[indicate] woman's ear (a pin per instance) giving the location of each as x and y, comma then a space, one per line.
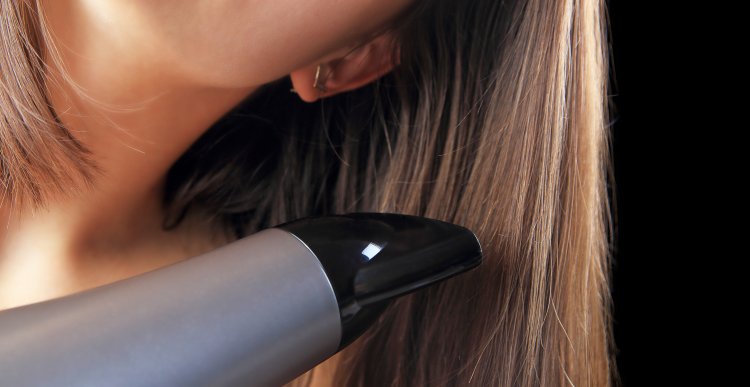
355, 69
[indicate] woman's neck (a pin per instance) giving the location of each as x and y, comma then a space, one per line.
136, 120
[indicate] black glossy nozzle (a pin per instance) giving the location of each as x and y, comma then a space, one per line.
371, 258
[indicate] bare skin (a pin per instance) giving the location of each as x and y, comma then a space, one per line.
159, 74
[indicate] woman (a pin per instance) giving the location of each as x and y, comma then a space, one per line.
138, 134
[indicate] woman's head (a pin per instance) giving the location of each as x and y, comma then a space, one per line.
494, 118
178, 46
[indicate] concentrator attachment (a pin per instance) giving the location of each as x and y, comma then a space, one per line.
371, 258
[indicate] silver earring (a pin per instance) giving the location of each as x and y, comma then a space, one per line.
318, 84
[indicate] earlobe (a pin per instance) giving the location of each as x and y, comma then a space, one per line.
303, 82
351, 71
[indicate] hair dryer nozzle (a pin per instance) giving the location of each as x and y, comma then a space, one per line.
375, 257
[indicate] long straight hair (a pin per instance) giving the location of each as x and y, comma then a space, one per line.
494, 119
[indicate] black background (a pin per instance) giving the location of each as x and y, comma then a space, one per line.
632, 126
661, 150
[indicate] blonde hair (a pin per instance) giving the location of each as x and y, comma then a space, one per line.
495, 119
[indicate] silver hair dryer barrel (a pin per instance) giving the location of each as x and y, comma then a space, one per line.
257, 312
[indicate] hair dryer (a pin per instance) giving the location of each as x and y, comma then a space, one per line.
259, 311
